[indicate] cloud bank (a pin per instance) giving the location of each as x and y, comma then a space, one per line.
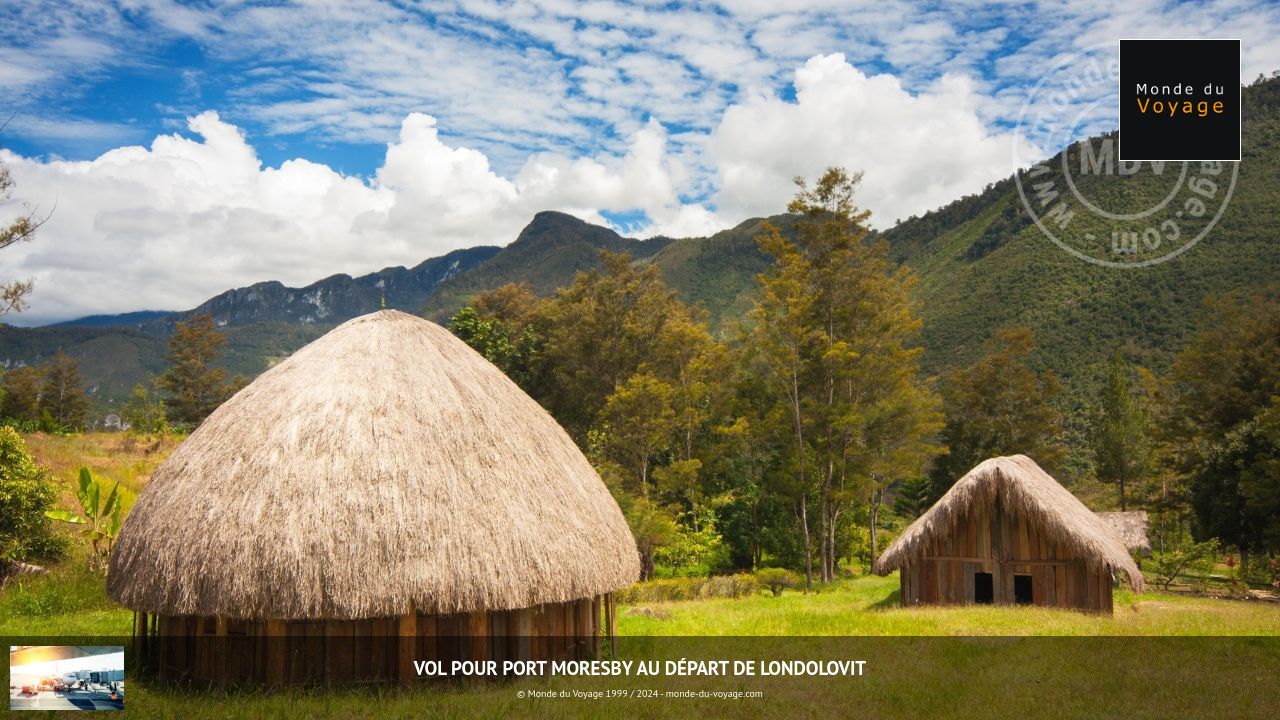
168, 225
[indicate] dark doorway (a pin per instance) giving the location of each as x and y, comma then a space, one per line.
1022, 589
983, 589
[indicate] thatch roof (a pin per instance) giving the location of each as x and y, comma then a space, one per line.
1131, 527
386, 465
1022, 486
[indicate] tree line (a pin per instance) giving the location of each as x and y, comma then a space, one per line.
51, 396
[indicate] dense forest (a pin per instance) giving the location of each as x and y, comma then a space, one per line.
801, 434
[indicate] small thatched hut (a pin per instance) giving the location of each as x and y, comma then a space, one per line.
1132, 527
1007, 532
384, 495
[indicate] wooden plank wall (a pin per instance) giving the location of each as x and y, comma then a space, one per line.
1004, 545
222, 651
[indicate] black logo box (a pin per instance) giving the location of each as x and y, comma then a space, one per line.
1186, 68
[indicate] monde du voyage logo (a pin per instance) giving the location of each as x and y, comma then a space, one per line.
1153, 189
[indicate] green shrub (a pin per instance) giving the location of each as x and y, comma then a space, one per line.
1197, 556
26, 491
777, 579
729, 586
26, 425
692, 553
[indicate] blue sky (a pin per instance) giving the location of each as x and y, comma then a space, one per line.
192, 147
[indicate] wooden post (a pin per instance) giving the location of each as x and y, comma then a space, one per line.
555, 631
604, 605
220, 647
277, 652
500, 636
408, 649
428, 629
338, 656
203, 639
138, 650
595, 627
162, 625
538, 632
613, 625
153, 643
378, 648
582, 633
478, 635
521, 628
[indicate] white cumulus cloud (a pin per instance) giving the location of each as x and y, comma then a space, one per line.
918, 151
169, 225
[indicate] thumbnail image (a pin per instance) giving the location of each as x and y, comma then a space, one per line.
66, 677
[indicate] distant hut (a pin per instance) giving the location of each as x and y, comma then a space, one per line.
382, 496
1008, 533
1132, 528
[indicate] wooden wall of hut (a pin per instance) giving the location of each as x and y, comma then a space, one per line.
223, 651
1006, 546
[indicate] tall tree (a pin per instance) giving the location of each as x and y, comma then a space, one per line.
695, 366
639, 421
194, 386
1122, 446
650, 523
626, 367
911, 498
22, 388
833, 329
998, 406
144, 412
779, 346
598, 332
1225, 384
499, 324
63, 392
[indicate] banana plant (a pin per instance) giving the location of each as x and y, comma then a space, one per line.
101, 519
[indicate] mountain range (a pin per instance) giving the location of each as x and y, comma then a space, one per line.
980, 263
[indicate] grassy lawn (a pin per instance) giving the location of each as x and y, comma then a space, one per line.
868, 606
942, 664
908, 677
71, 601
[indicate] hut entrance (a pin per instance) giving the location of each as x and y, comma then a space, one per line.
1022, 593
983, 588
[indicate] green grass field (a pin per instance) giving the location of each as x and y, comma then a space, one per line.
70, 601
1184, 667
908, 677
112, 457
868, 606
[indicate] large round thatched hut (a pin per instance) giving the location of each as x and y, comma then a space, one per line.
382, 496
1007, 532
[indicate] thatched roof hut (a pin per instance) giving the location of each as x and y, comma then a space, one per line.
1008, 517
386, 468
1132, 527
